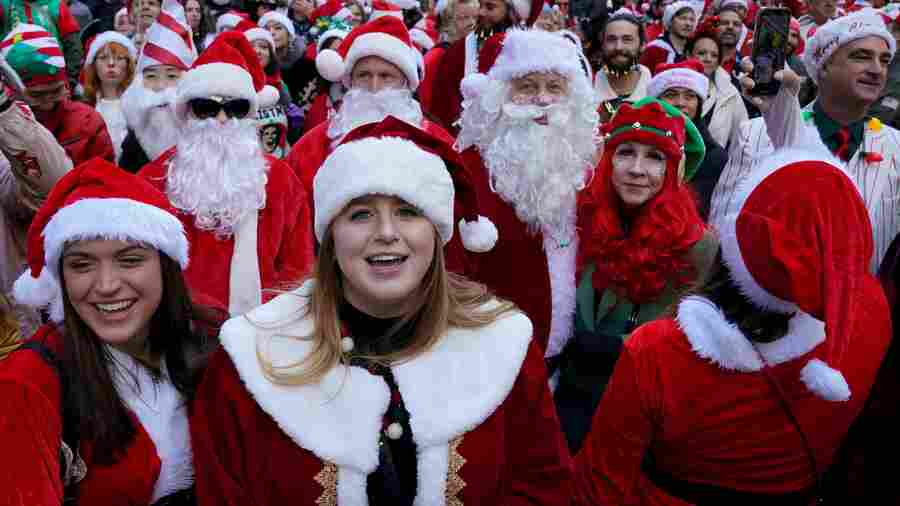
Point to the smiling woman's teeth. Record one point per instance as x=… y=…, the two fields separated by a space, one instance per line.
x=116 y=306
x=386 y=259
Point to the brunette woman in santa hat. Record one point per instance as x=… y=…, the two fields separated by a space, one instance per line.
x=385 y=379
x=744 y=395
x=643 y=242
x=95 y=403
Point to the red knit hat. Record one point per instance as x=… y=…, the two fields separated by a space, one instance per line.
x=412 y=164
x=95 y=200
x=382 y=8
x=386 y=38
x=801 y=242
x=229 y=67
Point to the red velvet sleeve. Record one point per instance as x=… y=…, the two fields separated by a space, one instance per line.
x=295 y=254
x=539 y=468
x=30 y=435
x=608 y=468
x=217 y=435
x=653 y=56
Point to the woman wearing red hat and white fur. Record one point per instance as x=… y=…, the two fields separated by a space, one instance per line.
x=95 y=403
x=746 y=394
x=385 y=379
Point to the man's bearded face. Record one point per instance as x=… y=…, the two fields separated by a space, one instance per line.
x=621 y=46
x=151 y=114
x=361 y=107
x=218 y=173
x=730 y=28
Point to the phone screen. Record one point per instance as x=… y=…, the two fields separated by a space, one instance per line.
x=770 y=41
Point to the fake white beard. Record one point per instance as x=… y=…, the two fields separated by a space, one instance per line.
x=218 y=173
x=360 y=107
x=152 y=116
x=539 y=169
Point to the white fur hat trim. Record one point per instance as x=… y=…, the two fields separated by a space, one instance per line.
x=279 y=18
x=384 y=166
x=673 y=9
x=527 y=51
x=679 y=78
x=105 y=38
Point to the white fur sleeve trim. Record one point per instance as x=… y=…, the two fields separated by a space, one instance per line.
x=825 y=382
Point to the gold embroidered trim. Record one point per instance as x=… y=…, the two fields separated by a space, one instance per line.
x=328 y=478
x=455 y=484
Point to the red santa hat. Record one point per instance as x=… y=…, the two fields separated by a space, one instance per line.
x=518 y=52
x=255 y=33
x=801 y=242
x=382 y=8
x=281 y=19
x=108 y=37
x=395 y=158
x=168 y=41
x=841 y=31
x=327 y=9
x=230 y=20
x=386 y=38
x=95 y=200
x=228 y=68
x=673 y=9
x=718 y=5
x=686 y=74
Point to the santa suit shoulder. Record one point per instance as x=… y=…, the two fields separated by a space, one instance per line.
x=474 y=399
x=31 y=430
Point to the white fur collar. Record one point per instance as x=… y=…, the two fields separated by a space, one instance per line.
x=715 y=338
x=561 y=261
x=448 y=391
x=471 y=54
x=163 y=413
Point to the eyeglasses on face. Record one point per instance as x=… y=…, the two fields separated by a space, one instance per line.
x=205 y=108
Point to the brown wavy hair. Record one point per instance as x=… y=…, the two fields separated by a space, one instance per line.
x=92 y=87
x=444 y=300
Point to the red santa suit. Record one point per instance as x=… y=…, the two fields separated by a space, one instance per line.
x=700 y=399
x=284 y=236
x=485 y=435
x=31 y=427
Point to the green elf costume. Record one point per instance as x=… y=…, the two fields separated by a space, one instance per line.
x=55 y=17
x=635 y=260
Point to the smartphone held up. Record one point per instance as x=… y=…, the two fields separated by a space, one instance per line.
x=770 y=43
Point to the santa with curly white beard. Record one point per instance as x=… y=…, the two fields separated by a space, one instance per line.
x=529 y=131
x=381 y=68
x=245 y=212
x=148 y=102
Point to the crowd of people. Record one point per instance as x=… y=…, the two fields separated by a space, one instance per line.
x=372 y=252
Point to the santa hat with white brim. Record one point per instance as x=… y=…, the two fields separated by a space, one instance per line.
x=841 y=31
x=227 y=68
x=108 y=37
x=395 y=158
x=672 y=10
x=800 y=243
x=95 y=200
x=168 y=41
x=386 y=38
x=686 y=74
x=254 y=34
x=279 y=18
x=718 y=5
x=230 y=20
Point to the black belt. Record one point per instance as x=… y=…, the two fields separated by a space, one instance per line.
x=184 y=497
x=702 y=494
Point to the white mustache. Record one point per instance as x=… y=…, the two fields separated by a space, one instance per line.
x=556 y=114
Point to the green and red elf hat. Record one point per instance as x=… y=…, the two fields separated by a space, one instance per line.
x=34 y=54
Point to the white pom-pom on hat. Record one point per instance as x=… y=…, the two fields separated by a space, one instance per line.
x=268 y=97
x=330 y=65
x=478 y=236
x=473 y=85
x=824 y=381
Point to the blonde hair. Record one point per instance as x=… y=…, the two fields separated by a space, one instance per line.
x=92 y=87
x=444 y=300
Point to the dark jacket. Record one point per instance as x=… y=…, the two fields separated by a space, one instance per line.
x=707 y=175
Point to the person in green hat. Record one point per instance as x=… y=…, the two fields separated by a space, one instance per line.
x=51 y=15
x=32 y=52
x=642 y=242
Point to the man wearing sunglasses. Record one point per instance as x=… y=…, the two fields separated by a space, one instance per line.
x=245 y=213
x=381 y=68
x=35 y=55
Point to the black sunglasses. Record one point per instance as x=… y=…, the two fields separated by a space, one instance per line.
x=205 y=108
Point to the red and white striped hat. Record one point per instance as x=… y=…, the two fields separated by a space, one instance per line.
x=168 y=40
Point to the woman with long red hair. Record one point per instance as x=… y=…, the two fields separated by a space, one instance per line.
x=643 y=243
x=108 y=70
